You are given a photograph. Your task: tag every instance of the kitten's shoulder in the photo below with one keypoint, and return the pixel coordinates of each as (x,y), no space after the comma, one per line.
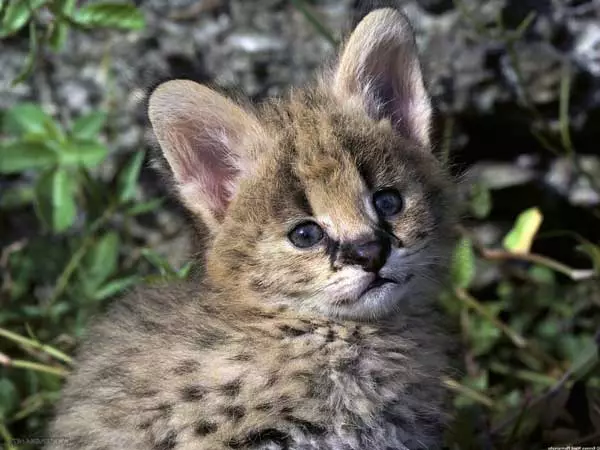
(161,312)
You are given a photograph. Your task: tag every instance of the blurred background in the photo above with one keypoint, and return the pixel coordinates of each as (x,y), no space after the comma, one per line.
(84,216)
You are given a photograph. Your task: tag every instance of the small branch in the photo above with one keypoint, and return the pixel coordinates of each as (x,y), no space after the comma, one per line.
(468,392)
(574,274)
(560,384)
(472,303)
(30,365)
(27,342)
(503,255)
(6,437)
(516,338)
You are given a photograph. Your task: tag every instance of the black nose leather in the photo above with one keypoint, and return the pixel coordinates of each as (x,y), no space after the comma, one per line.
(370,255)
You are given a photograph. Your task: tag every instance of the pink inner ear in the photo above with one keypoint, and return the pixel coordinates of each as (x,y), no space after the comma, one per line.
(204,166)
(395,82)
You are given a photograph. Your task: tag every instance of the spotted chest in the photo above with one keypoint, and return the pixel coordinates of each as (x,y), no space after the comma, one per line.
(301,384)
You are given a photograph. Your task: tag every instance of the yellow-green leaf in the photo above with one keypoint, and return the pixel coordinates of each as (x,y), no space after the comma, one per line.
(520,238)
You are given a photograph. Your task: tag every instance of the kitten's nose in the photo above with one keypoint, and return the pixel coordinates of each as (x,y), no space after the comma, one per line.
(370,255)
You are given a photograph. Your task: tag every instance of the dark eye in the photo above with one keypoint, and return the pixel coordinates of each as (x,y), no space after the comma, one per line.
(306,235)
(388,202)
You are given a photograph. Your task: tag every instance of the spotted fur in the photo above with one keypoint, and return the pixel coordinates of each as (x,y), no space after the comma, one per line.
(278,347)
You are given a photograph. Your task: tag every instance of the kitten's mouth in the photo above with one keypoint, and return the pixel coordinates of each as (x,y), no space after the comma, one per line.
(377,282)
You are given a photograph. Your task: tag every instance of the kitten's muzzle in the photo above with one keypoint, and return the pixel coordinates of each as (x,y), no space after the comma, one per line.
(371,255)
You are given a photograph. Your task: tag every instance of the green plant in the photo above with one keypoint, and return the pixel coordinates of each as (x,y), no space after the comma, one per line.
(62,270)
(63,15)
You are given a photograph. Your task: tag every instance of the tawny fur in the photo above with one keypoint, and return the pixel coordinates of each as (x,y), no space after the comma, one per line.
(275,348)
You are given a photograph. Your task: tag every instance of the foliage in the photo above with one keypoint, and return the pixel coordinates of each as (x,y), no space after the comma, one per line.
(15,15)
(530,337)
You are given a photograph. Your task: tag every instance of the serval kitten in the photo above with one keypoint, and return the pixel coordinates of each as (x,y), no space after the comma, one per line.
(315,324)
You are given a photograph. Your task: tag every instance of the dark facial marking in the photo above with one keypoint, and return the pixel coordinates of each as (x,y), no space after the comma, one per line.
(302,202)
(332,250)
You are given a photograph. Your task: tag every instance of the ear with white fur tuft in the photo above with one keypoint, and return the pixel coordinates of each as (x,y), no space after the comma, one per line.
(201,134)
(379,66)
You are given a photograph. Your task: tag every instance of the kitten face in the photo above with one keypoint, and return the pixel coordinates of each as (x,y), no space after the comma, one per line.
(339,172)
(329,201)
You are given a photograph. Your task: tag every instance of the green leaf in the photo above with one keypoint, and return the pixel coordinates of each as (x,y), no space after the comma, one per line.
(59,29)
(58,35)
(66,6)
(542,274)
(85,153)
(481,200)
(483,335)
(587,361)
(115,287)
(463,264)
(159,262)
(17,14)
(184,271)
(55,199)
(16,196)
(31,56)
(101,262)
(19,156)
(142,208)
(593,252)
(9,397)
(28,119)
(520,238)
(64,208)
(128,177)
(88,126)
(109,14)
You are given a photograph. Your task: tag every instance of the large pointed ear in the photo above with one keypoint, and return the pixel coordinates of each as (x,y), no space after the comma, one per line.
(202,135)
(380,68)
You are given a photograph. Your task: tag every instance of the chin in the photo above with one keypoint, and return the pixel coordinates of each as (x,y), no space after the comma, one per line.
(374,304)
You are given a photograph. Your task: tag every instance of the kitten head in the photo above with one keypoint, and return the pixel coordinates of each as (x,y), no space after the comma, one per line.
(330,201)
